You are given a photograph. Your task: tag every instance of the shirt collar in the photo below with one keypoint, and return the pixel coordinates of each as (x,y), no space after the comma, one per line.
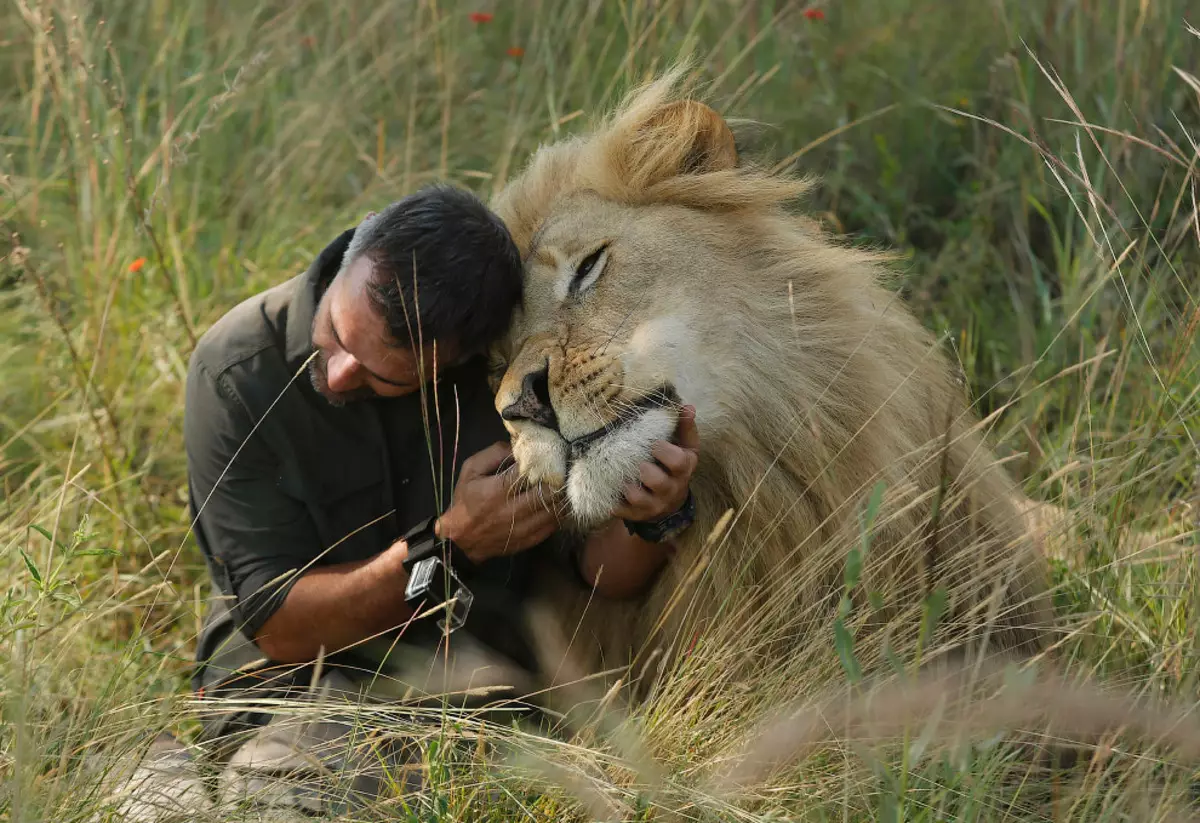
(303,307)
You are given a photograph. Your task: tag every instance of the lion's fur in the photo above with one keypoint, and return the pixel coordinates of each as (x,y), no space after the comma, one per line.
(816,383)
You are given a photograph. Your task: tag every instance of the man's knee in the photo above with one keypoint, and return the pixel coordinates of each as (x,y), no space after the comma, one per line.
(163,785)
(319,765)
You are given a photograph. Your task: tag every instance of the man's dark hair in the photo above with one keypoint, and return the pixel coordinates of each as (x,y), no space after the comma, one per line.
(442,260)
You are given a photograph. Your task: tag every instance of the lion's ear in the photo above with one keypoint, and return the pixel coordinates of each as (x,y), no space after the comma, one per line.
(684,137)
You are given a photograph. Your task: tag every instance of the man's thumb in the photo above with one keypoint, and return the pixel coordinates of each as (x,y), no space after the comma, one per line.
(490,459)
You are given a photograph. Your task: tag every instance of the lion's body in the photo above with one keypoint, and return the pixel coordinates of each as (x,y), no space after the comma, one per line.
(811,381)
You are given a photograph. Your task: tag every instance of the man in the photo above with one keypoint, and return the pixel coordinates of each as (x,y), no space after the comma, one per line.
(316,434)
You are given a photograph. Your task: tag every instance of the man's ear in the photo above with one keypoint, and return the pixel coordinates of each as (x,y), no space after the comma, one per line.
(686,137)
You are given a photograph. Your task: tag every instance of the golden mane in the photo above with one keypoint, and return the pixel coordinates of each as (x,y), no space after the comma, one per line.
(833,388)
(625,159)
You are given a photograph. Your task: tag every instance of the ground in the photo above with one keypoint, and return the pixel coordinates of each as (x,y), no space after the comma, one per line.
(1033,164)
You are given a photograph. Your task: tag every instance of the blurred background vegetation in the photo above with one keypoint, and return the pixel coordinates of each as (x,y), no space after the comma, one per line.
(1032,163)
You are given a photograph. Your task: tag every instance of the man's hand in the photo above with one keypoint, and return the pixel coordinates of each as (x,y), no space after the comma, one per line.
(488,518)
(664,487)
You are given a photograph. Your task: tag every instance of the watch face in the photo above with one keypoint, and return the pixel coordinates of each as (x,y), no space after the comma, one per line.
(421,578)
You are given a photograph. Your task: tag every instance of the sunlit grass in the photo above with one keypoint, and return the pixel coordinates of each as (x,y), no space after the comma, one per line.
(1034,163)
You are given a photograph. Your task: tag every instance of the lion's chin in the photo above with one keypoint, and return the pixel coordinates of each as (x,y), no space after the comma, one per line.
(596,475)
(541,457)
(599,474)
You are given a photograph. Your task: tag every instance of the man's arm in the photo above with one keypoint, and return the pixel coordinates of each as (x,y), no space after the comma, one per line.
(620,565)
(264,544)
(337,606)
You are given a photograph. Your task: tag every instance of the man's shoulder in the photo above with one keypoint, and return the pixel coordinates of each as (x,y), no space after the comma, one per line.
(254,328)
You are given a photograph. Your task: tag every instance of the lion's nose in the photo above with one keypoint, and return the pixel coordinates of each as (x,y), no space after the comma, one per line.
(533,404)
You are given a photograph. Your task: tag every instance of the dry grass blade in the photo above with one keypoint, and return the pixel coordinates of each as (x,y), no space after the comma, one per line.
(161,162)
(599,805)
(944,706)
(572,688)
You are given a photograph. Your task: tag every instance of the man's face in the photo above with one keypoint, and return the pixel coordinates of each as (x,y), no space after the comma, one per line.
(356,357)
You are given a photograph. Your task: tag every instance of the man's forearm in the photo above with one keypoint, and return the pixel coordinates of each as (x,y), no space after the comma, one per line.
(619,564)
(336,607)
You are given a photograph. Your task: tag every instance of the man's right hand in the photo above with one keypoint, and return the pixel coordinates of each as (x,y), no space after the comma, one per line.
(488,518)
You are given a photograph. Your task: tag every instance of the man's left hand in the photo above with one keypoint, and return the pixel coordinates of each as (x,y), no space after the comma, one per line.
(664,486)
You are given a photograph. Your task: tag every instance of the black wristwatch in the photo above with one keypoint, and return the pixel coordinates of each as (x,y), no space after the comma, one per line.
(432,577)
(668,527)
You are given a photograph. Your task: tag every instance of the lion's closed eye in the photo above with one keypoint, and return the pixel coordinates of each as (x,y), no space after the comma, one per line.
(588,271)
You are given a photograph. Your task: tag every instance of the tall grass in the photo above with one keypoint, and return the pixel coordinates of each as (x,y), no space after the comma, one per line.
(1034,162)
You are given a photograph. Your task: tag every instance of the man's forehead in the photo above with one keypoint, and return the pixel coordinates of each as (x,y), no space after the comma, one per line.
(397,359)
(357,275)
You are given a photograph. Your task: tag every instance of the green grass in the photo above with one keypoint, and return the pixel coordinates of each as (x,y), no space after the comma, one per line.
(1033,163)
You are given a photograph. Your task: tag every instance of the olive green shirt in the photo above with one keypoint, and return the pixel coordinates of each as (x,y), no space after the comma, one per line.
(280,479)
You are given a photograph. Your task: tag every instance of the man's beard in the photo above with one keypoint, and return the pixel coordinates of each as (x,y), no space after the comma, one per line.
(319,375)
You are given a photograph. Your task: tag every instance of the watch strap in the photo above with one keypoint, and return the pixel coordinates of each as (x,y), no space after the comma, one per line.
(668,527)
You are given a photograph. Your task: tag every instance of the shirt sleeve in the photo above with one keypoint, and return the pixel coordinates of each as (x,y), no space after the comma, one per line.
(257,539)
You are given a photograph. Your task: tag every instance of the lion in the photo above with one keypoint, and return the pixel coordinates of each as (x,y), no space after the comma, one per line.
(663,267)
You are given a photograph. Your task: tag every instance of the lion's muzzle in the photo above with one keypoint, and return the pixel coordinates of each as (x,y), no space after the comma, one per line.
(664,397)
(533,403)
(577,426)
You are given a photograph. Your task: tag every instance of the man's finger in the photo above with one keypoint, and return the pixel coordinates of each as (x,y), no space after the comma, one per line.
(539,531)
(532,521)
(488,460)
(530,537)
(546,533)
(674,459)
(639,499)
(653,478)
(686,432)
(531,503)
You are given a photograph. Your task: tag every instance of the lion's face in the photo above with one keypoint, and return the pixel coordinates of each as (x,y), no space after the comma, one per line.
(610,343)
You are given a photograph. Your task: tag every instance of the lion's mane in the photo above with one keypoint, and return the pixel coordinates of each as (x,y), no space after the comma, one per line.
(845,391)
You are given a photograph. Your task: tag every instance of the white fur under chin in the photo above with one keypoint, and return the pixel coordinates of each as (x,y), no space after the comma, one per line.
(598,478)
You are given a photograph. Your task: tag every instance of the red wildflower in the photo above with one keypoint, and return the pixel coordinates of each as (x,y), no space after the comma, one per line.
(136,265)
(481,17)
(515,51)
(814,14)
(308,41)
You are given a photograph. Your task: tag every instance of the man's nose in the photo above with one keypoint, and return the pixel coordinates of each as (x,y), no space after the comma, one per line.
(342,373)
